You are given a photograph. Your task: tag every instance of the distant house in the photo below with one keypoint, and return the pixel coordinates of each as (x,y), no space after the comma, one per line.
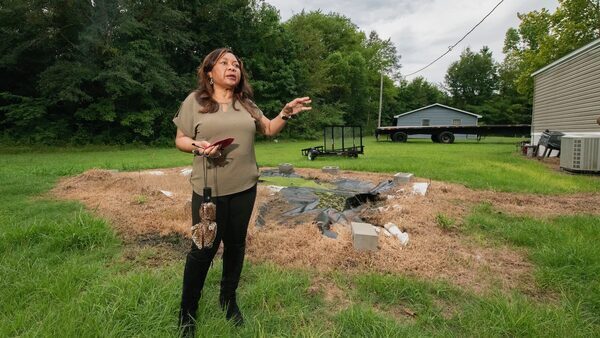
(566,94)
(437,115)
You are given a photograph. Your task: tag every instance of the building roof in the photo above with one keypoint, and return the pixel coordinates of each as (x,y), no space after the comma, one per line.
(568,57)
(439,105)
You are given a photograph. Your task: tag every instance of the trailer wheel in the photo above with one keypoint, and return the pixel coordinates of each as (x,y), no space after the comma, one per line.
(435,138)
(399,137)
(446,137)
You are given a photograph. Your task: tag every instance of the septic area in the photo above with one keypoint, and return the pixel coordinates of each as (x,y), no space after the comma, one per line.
(303,221)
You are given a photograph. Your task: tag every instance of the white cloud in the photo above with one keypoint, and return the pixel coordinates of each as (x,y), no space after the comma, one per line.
(423,30)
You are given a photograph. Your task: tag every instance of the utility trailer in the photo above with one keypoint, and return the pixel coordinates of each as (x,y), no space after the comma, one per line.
(445,134)
(338,140)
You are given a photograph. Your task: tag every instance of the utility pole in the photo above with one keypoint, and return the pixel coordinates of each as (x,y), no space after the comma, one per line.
(380,99)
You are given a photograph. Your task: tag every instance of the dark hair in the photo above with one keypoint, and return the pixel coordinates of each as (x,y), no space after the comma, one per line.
(242,92)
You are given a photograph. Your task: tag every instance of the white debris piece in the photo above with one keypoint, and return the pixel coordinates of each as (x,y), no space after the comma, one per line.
(387,233)
(420,188)
(403,237)
(274,188)
(167,193)
(402,178)
(393,230)
(185,172)
(155,172)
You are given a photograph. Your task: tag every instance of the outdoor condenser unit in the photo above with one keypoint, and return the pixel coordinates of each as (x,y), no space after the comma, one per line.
(580,153)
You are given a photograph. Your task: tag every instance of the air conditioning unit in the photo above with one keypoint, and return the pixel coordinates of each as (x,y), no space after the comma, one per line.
(580,153)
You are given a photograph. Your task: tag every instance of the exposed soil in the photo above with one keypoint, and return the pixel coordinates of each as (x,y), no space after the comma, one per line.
(144,216)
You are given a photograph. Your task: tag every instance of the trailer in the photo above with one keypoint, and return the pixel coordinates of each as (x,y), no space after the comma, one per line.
(445,134)
(338,140)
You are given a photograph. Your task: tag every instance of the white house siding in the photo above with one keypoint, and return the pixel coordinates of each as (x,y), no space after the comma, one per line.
(567,94)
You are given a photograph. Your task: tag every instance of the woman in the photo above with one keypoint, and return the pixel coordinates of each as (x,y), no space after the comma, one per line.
(220,108)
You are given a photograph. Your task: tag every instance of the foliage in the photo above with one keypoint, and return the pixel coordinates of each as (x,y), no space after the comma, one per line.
(418,93)
(543,37)
(473,79)
(444,222)
(114,71)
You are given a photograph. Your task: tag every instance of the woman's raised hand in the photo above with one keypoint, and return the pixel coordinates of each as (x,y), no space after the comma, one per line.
(297,105)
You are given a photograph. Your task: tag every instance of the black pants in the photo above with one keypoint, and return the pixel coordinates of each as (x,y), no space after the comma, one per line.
(233,215)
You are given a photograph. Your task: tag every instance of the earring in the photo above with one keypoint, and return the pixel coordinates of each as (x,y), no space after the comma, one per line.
(211,81)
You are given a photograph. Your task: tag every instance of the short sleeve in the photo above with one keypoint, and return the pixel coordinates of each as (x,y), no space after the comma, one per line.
(184,119)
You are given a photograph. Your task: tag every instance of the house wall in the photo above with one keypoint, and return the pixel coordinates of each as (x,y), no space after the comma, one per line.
(566,97)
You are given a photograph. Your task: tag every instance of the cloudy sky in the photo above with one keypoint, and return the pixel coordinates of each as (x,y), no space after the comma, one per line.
(423,30)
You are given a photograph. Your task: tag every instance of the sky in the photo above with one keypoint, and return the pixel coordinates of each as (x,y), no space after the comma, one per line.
(423,30)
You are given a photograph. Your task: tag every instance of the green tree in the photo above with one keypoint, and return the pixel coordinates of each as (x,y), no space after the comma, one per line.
(472,79)
(419,93)
(543,37)
(340,68)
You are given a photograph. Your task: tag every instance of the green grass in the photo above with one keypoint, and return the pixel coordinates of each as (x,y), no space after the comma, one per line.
(62,272)
(293,182)
(491,164)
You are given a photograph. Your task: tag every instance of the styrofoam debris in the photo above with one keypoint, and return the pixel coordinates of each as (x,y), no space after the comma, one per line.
(403,237)
(387,233)
(393,230)
(274,188)
(155,172)
(167,193)
(185,172)
(420,188)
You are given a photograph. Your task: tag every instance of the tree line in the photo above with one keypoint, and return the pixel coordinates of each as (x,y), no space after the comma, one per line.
(115,71)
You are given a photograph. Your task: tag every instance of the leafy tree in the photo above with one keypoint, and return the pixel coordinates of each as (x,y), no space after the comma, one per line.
(473,79)
(114,71)
(543,37)
(340,68)
(419,93)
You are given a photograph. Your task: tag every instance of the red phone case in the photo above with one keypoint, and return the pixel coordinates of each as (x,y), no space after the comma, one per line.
(223,143)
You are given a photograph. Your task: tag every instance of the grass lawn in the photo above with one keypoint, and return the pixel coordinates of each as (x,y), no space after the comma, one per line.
(62,272)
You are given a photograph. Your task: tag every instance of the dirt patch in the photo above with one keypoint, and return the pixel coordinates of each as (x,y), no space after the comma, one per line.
(143,215)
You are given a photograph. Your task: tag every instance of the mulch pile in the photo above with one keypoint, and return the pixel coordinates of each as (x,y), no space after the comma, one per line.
(141,213)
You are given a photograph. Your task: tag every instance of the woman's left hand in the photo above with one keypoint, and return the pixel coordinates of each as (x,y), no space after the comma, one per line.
(297,106)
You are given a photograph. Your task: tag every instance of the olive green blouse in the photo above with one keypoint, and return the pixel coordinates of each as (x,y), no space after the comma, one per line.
(236,170)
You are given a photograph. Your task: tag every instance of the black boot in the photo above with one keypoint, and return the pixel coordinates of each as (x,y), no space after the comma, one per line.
(233,313)
(233,262)
(196,269)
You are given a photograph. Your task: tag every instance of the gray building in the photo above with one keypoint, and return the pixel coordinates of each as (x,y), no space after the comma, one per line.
(437,115)
(566,94)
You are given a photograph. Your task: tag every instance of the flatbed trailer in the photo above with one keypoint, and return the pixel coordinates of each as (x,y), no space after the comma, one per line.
(338,140)
(445,134)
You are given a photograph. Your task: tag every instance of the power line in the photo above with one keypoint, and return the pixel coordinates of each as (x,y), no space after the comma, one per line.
(457,42)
